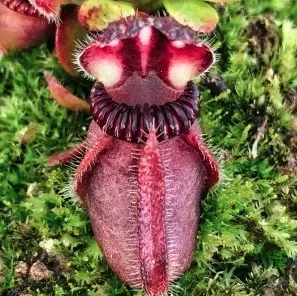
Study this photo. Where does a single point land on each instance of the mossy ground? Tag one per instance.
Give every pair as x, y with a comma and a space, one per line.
248, 235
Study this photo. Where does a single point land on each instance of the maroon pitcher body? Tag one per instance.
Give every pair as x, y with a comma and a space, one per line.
145, 165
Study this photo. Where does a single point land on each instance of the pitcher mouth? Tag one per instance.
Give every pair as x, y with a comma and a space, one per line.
133, 123
21, 6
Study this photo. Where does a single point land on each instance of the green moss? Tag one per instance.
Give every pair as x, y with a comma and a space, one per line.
247, 239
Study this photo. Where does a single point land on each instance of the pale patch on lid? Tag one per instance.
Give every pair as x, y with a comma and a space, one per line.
180, 73
178, 44
145, 36
109, 72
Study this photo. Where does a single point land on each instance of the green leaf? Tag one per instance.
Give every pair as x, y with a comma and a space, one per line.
96, 15
193, 13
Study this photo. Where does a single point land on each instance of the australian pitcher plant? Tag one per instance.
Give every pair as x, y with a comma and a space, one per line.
145, 165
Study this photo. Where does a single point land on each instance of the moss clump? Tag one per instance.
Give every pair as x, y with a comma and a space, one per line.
247, 240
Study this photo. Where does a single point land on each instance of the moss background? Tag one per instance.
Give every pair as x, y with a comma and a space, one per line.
247, 240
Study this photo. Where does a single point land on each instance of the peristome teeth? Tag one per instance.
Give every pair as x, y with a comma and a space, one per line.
134, 123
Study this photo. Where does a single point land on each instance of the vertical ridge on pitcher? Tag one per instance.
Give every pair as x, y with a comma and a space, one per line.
151, 207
